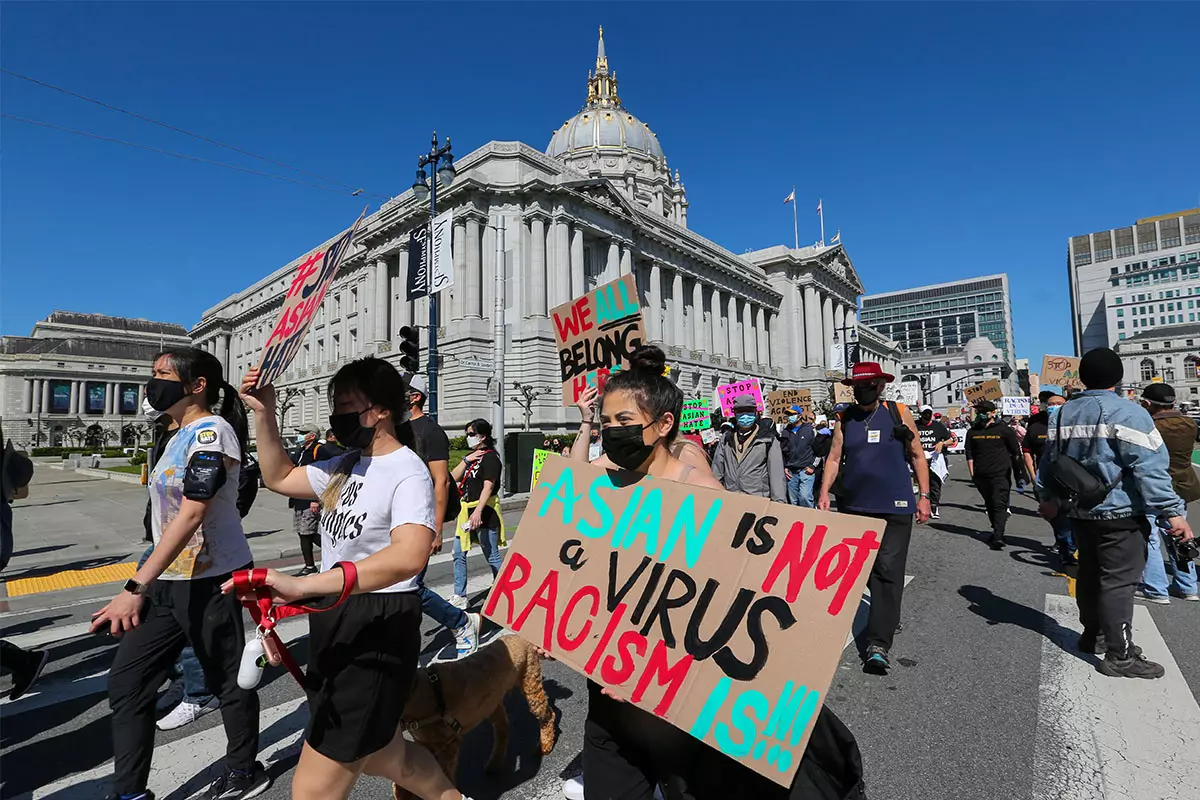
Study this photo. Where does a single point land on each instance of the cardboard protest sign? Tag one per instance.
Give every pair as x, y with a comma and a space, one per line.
722, 613
728, 392
1061, 371
314, 275
595, 335
539, 460
953, 412
697, 415
1014, 406
842, 393
988, 390
906, 392
779, 404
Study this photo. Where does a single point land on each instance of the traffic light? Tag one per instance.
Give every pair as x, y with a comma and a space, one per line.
410, 349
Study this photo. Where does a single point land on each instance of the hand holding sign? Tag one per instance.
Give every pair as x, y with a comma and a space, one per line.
259, 399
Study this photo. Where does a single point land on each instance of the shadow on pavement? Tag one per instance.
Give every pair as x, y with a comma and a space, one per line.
37, 551
31, 625
999, 610
83, 563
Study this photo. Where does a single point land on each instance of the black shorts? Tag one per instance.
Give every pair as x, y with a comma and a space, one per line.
363, 659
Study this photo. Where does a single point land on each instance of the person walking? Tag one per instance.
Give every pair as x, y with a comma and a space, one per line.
433, 446
800, 463
378, 510
934, 436
478, 480
1032, 448
749, 458
174, 599
16, 472
1105, 466
993, 457
874, 445
307, 513
1179, 435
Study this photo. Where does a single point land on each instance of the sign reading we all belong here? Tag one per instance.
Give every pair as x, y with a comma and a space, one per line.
595, 335
722, 613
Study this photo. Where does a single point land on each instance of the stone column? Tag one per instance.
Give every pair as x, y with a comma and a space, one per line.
381, 305
141, 396
654, 300
714, 315
626, 258
613, 267
827, 325
487, 275
458, 250
223, 354
699, 333
578, 282
35, 399
677, 321
108, 398
839, 322
764, 342
735, 336
749, 345
27, 401
74, 407
562, 262
473, 277
538, 280
812, 328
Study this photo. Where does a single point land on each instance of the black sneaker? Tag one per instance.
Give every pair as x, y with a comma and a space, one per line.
996, 542
1069, 560
23, 679
1136, 666
240, 785
307, 571
876, 660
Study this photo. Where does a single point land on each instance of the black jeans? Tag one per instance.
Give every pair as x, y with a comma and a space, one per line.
1112, 556
886, 582
995, 490
177, 613
935, 490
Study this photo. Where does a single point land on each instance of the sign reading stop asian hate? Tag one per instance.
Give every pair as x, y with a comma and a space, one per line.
723, 614
312, 279
697, 415
729, 392
595, 335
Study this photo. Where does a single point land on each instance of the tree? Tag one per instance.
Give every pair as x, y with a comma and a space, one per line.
93, 435
285, 401
133, 433
528, 396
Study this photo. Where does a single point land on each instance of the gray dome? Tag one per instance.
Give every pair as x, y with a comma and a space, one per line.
604, 128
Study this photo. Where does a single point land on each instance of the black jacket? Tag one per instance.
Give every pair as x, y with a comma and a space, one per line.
994, 450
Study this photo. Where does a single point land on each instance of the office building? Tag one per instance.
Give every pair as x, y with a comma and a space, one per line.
944, 372
1170, 354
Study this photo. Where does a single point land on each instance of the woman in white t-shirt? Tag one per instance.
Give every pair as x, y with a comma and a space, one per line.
377, 510
175, 599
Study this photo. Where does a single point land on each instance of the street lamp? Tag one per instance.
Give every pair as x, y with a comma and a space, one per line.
849, 341
441, 160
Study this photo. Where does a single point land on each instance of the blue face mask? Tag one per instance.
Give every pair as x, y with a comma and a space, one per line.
793, 419
746, 420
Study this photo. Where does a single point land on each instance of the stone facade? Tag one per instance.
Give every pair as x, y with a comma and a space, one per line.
1170, 355
945, 372
77, 370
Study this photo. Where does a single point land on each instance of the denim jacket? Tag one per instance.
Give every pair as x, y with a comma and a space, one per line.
1115, 438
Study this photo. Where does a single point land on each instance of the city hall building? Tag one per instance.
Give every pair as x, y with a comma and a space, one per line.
599, 203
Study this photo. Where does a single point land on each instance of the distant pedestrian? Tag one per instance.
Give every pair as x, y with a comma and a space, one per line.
749, 458
307, 513
478, 478
1032, 448
934, 437
799, 461
993, 457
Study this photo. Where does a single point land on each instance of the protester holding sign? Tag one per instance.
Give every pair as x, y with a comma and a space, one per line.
478, 479
378, 512
174, 599
993, 457
749, 458
684, 449
872, 449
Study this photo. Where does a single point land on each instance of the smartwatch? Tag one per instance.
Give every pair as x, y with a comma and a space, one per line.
133, 587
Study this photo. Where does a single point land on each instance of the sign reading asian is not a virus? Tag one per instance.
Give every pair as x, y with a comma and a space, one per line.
722, 613
312, 279
595, 334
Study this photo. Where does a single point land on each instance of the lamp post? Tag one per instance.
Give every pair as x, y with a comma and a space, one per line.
441, 162
849, 339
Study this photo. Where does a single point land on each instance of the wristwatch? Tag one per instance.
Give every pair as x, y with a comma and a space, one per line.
924, 495
133, 587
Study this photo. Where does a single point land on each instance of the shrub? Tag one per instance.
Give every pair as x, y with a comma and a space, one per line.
138, 458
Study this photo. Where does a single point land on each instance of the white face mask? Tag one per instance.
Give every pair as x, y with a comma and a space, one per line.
474, 441
150, 412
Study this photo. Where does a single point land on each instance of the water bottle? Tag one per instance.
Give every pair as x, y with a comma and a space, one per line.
254, 661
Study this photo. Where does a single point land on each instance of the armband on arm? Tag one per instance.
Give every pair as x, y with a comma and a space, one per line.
205, 475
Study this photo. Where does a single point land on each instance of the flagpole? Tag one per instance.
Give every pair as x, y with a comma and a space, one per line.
795, 219
821, 214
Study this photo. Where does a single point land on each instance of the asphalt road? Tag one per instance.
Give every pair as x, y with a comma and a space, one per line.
972, 708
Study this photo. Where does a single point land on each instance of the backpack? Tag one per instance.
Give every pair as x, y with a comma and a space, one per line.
248, 480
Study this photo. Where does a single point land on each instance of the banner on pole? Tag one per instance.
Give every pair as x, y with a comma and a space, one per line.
417, 284
697, 415
312, 279
722, 613
779, 404
728, 392
1061, 371
595, 335
988, 390
441, 258
1014, 406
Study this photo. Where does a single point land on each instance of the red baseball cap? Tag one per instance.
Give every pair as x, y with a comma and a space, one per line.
867, 371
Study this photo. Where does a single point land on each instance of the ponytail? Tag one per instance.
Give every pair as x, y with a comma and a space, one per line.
337, 480
233, 411
191, 364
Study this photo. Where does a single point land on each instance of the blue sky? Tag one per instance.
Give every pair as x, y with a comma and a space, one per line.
947, 140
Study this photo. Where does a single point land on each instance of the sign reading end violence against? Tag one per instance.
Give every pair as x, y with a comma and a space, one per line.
724, 614
312, 279
595, 335
779, 403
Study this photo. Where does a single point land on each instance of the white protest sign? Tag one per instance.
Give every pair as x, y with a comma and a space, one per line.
1014, 406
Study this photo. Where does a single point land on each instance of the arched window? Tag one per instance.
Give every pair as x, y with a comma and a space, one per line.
1148, 370
977, 358
1191, 368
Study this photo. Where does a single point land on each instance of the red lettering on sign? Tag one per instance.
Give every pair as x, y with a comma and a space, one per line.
544, 598
506, 583
610, 672
841, 564
577, 322
305, 271
568, 643
664, 674
796, 558
614, 622
862, 551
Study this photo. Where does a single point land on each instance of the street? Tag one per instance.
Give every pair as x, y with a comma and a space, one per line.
987, 698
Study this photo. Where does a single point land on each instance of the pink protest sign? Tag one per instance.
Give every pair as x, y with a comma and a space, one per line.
729, 392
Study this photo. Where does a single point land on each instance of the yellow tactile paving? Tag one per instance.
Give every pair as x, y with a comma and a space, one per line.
72, 578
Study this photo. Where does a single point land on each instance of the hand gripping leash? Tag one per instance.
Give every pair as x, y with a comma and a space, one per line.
268, 648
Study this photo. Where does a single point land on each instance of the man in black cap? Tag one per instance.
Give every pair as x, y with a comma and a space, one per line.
993, 455
1105, 466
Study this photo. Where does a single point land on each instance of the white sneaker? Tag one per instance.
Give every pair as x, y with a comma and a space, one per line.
466, 638
572, 789
186, 713
1157, 599
458, 601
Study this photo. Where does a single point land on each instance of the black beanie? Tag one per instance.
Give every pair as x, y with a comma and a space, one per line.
1101, 369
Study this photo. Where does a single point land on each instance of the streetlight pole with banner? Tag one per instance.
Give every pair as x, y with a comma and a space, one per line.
441, 161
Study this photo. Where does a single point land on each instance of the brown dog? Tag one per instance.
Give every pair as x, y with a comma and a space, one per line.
473, 689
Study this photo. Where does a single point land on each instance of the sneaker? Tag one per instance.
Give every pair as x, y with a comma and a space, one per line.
877, 660
1136, 666
186, 713
307, 571
996, 542
23, 679
240, 785
1157, 599
1068, 560
1096, 643
466, 638
1191, 598
1009, 510
933, 512
572, 788
458, 601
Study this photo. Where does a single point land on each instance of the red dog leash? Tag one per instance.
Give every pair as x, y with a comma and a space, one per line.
266, 614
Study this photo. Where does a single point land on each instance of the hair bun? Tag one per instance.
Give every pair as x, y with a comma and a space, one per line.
648, 359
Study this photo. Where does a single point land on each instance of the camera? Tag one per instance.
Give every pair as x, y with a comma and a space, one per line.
1182, 553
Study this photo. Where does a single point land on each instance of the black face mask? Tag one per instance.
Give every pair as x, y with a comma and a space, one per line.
162, 393
866, 395
350, 431
624, 446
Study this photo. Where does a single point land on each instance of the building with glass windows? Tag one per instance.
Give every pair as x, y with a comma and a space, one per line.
944, 316
1128, 281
